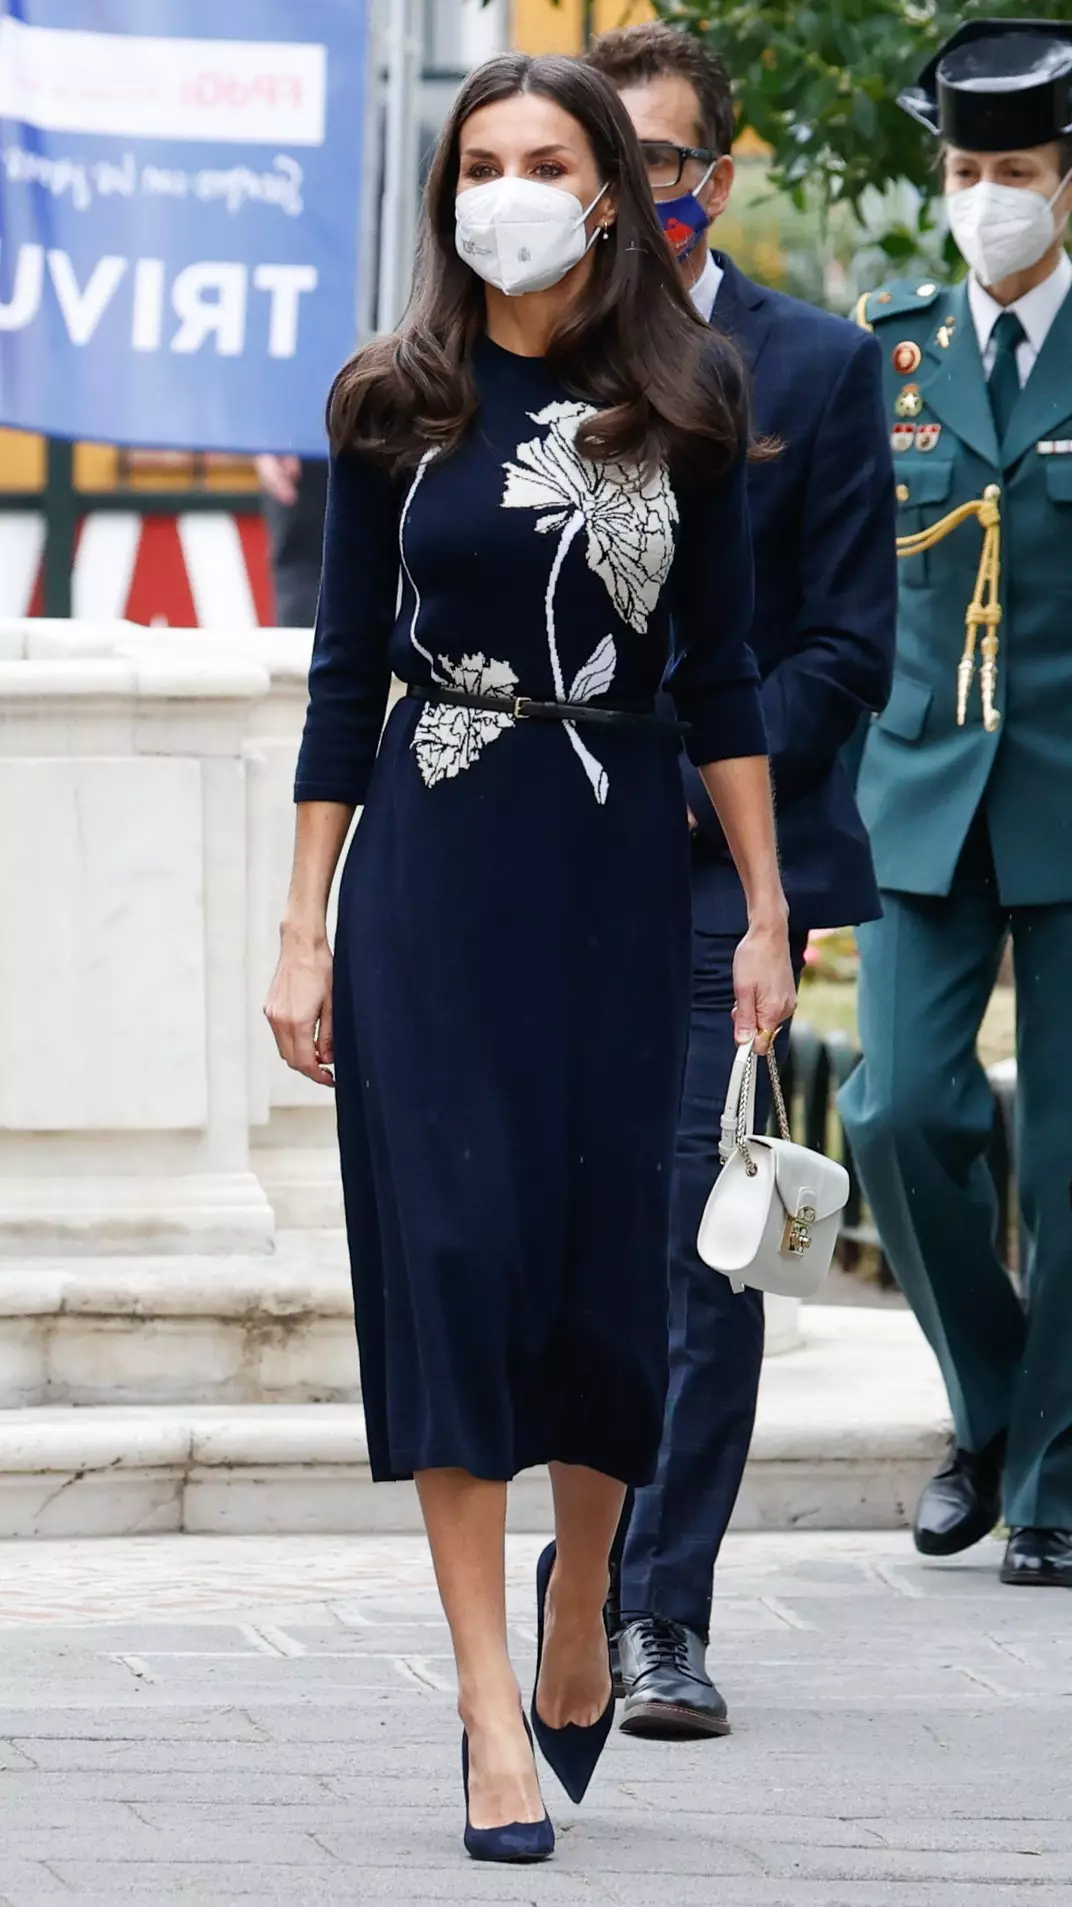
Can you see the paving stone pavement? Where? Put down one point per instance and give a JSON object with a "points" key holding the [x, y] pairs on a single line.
{"points": [[228, 1721]]}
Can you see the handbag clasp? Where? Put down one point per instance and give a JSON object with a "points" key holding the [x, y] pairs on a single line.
{"points": [[796, 1237]]}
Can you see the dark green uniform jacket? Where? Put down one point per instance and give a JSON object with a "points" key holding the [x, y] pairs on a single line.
{"points": [[922, 777]]}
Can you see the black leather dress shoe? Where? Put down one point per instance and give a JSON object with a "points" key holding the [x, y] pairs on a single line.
{"points": [[668, 1692], [1039, 1559], [962, 1503]]}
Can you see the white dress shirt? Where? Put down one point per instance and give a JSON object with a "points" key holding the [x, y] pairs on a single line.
{"points": [[704, 292], [1036, 311]]}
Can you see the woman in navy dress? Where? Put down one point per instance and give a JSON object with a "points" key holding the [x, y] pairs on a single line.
{"points": [[537, 498]]}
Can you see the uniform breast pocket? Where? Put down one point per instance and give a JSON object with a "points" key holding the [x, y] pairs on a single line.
{"points": [[923, 488], [1059, 479]]}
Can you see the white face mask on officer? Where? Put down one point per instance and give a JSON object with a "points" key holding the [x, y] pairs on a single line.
{"points": [[521, 235], [1001, 229]]}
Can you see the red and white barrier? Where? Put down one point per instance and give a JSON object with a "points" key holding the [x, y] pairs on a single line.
{"points": [[202, 569]]}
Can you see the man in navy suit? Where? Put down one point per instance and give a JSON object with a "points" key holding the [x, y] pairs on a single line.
{"points": [[826, 590]]}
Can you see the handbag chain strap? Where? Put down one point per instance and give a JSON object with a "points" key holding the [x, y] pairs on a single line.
{"points": [[742, 1134]]}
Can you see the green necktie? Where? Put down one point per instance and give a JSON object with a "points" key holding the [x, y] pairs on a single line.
{"points": [[1005, 378]]}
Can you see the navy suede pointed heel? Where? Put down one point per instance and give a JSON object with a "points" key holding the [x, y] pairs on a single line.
{"points": [[572, 1751], [517, 1841]]}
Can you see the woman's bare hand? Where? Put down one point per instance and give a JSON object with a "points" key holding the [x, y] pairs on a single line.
{"points": [[298, 1007], [764, 993]]}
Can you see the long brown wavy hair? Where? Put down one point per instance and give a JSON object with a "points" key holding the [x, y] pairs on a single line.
{"points": [[668, 388]]}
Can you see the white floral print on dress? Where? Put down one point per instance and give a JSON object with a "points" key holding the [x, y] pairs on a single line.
{"points": [[628, 516], [448, 737]]}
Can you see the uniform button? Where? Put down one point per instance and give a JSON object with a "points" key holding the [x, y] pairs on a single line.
{"points": [[902, 493], [926, 291]]}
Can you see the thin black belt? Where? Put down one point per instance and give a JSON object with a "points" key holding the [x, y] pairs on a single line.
{"points": [[523, 709]]}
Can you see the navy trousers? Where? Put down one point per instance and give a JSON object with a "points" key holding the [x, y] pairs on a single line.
{"points": [[676, 1525]]}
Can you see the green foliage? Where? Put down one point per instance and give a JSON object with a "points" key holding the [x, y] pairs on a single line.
{"points": [[818, 83]]}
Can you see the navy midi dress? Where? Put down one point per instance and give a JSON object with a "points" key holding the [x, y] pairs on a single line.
{"points": [[512, 959]]}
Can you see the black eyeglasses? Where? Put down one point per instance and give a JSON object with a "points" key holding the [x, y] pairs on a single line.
{"points": [[666, 162]]}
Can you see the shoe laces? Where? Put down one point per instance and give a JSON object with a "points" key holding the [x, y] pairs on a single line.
{"points": [[664, 1644]]}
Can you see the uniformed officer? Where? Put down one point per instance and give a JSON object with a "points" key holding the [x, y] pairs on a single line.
{"points": [[966, 785]]}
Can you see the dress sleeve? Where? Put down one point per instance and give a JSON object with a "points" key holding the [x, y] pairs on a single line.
{"points": [[712, 674], [350, 676]]}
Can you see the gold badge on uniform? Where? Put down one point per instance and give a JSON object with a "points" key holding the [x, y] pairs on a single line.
{"points": [[903, 436], [907, 357], [908, 403], [945, 332], [927, 435]]}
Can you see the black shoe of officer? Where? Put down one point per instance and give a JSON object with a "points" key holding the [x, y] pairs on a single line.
{"points": [[1039, 1559], [669, 1693], [962, 1503]]}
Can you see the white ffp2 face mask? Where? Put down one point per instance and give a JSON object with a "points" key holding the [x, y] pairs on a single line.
{"points": [[521, 235], [1001, 229]]}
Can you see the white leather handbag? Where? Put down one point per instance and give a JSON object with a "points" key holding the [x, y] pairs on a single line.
{"points": [[771, 1220]]}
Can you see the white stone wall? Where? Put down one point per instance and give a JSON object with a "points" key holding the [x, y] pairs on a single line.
{"points": [[292, 1121], [124, 974]]}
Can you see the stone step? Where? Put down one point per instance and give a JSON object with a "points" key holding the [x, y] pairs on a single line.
{"points": [[302, 1184], [849, 1427], [242, 1329]]}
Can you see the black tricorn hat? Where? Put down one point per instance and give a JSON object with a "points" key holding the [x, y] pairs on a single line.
{"points": [[997, 86]]}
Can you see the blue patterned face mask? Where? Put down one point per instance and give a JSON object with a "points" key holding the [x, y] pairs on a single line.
{"points": [[683, 219]]}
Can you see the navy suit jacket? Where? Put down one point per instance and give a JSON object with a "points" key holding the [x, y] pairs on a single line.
{"points": [[823, 524]]}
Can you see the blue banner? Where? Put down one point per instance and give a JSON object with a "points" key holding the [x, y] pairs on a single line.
{"points": [[181, 196]]}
